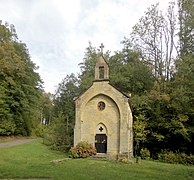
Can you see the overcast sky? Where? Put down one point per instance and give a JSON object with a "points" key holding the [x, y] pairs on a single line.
{"points": [[57, 32]]}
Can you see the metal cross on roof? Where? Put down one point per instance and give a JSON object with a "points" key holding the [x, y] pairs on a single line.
{"points": [[101, 47]]}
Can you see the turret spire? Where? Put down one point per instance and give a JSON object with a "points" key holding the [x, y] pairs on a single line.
{"points": [[101, 68]]}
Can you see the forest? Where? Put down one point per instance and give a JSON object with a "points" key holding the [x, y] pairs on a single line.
{"points": [[155, 67]]}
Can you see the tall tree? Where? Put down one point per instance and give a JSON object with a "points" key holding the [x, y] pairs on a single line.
{"points": [[129, 74], [153, 36], [20, 84], [87, 67], [186, 22], [46, 109], [64, 111], [183, 96]]}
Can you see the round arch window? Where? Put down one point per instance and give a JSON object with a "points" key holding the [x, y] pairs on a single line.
{"points": [[101, 105]]}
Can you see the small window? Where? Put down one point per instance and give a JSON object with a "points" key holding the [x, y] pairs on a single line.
{"points": [[101, 105], [101, 72]]}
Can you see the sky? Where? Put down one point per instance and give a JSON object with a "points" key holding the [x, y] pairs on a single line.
{"points": [[57, 32]]}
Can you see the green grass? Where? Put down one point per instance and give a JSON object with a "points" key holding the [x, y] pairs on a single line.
{"points": [[33, 160]]}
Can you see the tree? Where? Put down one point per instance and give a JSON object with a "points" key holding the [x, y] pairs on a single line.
{"points": [[63, 118], [46, 109], [87, 68], [183, 97], [140, 132], [186, 22], [166, 105], [129, 74], [20, 84], [153, 37]]}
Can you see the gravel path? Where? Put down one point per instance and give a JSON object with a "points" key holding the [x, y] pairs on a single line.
{"points": [[15, 142]]}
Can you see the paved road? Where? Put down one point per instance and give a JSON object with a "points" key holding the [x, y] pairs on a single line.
{"points": [[15, 142]]}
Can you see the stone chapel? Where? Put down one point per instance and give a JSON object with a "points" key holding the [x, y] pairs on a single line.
{"points": [[103, 116]]}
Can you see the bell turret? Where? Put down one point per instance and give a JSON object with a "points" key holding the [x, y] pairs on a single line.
{"points": [[101, 68]]}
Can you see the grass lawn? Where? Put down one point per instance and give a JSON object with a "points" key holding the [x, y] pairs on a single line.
{"points": [[33, 160]]}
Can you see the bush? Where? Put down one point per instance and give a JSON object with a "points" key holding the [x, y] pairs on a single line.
{"points": [[41, 130], [58, 136], [176, 158], [48, 135], [190, 159], [63, 148], [145, 153], [82, 150], [168, 157], [7, 128]]}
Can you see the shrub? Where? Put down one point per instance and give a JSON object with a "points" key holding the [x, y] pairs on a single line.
{"points": [[168, 157], [82, 150], [176, 158], [190, 159], [145, 153], [48, 136], [58, 136], [41, 130], [7, 127], [63, 148]]}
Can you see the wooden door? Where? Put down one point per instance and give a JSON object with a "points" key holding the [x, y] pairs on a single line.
{"points": [[101, 143]]}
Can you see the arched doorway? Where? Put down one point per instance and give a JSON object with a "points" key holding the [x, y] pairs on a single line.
{"points": [[101, 139]]}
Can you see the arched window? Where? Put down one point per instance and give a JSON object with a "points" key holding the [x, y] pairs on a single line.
{"points": [[101, 72]]}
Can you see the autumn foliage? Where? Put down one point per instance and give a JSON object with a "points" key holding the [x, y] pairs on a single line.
{"points": [[82, 150]]}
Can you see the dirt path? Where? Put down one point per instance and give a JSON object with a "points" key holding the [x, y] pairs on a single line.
{"points": [[15, 142]]}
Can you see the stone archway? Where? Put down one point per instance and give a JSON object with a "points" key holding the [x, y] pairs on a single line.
{"points": [[101, 138]]}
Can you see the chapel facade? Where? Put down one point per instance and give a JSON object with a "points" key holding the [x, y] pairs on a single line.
{"points": [[104, 116]]}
